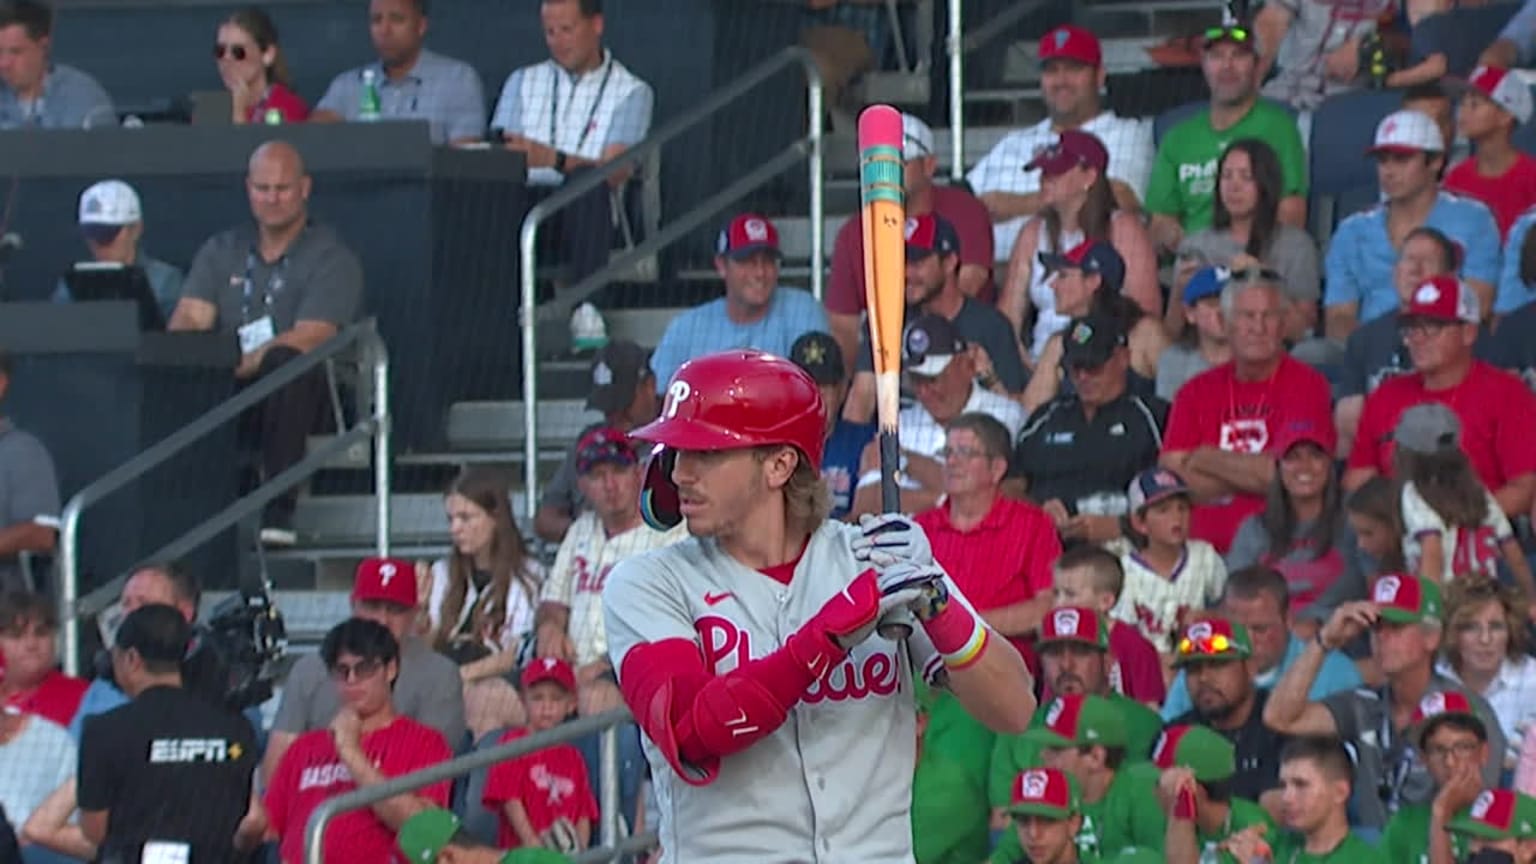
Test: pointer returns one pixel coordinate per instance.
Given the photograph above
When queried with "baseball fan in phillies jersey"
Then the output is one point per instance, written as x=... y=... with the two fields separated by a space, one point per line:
x=546 y=789
x=368 y=741
x=779 y=725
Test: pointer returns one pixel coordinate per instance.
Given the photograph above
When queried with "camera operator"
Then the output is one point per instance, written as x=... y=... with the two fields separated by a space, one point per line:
x=166 y=777
x=203 y=672
x=428 y=690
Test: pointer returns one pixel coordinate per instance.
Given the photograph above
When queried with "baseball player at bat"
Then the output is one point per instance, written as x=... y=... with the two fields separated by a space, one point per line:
x=779 y=726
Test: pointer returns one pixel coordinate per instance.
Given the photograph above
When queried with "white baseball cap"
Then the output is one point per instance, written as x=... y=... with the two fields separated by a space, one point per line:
x=1407 y=131
x=916 y=138
x=1505 y=90
x=109 y=202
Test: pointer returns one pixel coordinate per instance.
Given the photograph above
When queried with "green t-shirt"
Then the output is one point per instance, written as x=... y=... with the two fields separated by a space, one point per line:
x=1242 y=814
x=1183 y=180
x=1012 y=754
x=949 y=812
x=1290 y=849
x=1127 y=815
x=1406 y=838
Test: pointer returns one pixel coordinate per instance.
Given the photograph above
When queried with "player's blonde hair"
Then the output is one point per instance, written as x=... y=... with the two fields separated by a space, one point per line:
x=807 y=503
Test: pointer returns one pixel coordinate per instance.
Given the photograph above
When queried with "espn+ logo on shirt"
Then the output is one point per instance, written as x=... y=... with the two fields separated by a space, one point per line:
x=174 y=751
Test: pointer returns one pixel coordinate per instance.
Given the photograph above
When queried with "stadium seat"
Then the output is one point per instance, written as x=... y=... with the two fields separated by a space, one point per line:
x=1460 y=34
x=1343 y=179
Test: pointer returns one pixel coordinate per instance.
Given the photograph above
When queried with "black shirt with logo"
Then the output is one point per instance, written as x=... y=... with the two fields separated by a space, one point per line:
x=1088 y=464
x=169 y=768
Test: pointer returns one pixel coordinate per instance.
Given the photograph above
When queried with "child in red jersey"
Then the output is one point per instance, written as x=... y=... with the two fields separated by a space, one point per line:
x=544 y=798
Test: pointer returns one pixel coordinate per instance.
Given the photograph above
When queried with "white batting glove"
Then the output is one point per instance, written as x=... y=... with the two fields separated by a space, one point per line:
x=889 y=539
x=904 y=588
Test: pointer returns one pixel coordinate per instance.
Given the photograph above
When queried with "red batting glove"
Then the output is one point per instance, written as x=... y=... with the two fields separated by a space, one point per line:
x=844 y=621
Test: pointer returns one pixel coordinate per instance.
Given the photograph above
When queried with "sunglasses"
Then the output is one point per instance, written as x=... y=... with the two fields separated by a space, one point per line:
x=1216 y=643
x=362 y=670
x=1255 y=274
x=1240 y=35
x=238 y=52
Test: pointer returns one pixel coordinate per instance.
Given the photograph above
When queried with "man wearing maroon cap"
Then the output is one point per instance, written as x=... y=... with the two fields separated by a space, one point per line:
x=1439 y=326
x=1072 y=78
x=1181 y=193
x=428 y=689
x=845 y=287
x=756 y=311
x=1494 y=104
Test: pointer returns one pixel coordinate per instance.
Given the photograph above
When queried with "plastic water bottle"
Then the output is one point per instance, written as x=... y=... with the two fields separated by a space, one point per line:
x=368 y=103
x=588 y=329
x=273 y=117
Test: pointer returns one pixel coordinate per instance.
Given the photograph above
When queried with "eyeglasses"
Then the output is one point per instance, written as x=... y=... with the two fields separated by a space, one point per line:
x=220 y=49
x=1254 y=274
x=1424 y=327
x=1460 y=748
x=1240 y=35
x=1216 y=643
x=1477 y=628
x=362 y=670
x=966 y=453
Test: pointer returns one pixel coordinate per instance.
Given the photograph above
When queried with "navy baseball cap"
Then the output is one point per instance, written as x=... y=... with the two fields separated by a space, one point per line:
x=616 y=372
x=1207 y=282
x=1089 y=342
x=746 y=235
x=820 y=356
x=605 y=445
x=1152 y=486
x=930 y=234
x=1089 y=256
x=929 y=344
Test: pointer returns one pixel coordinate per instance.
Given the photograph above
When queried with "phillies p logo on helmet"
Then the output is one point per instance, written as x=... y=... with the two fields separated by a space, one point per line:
x=677 y=393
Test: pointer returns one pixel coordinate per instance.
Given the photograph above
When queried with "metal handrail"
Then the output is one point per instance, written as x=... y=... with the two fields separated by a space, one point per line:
x=70 y=604
x=367 y=796
x=720 y=99
x=958 y=44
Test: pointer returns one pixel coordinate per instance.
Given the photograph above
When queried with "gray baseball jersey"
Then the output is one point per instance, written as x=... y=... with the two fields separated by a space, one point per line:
x=834 y=782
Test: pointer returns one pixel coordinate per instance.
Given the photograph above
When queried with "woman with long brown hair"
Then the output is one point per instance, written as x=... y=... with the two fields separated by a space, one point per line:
x=482 y=599
x=253 y=70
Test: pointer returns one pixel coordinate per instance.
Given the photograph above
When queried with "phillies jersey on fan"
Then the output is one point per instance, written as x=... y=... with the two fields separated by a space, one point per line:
x=834 y=782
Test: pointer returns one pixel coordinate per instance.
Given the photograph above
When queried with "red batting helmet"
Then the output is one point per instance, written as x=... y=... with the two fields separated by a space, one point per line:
x=727 y=401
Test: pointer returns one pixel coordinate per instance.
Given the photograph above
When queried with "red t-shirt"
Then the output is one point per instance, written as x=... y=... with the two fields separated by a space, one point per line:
x=1507 y=195
x=57 y=698
x=287 y=102
x=311 y=772
x=551 y=784
x=845 y=290
x=1141 y=670
x=1215 y=409
x=1496 y=412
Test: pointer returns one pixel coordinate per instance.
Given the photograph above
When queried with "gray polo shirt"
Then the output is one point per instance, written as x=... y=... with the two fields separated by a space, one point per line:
x=428 y=691
x=71 y=100
x=318 y=279
x=444 y=91
x=29 y=487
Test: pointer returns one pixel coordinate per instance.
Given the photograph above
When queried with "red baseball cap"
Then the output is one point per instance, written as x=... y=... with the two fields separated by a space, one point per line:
x=1443 y=705
x=1074 y=624
x=1503 y=89
x=747 y=234
x=1322 y=435
x=1044 y=792
x=549 y=669
x=1071 y=42
x=1404 y=598
x=1444 y=298
x=386 y=580
x=930 y=234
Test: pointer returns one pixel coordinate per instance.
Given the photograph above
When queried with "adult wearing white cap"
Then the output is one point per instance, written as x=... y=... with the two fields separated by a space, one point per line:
x=1410 y=153
x=113 y=224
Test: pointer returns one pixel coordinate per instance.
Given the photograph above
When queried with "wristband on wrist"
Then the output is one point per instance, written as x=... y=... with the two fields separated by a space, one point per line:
x=971 y=651
x=1319 y=640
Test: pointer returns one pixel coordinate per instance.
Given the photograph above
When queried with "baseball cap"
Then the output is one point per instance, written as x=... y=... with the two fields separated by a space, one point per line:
x=929 y=344
x=1044 y=792
x=109 y=202
x=1428 y=428
x=549 y=669
x=747 y=234
x=605 y=445
x=1234 y=33
x=1295 y=432
x=1442 y=706
x=1210 y=757
x=616 y=372
x=1071 y=42
x=916 y=138
x=1070 y=148
x=1078 y=719
x=1089 y=342
x=1503 y=89
x=1089 y=256
x=1074 y=624
x=1407 y=131
x=1403 y=598
x=930 y=234
x=1444 y=298
x=1207 y=282
x=1497 y=814
x=386 y=580
x=1212 y=639
x=820 y=356
x=1153 y=485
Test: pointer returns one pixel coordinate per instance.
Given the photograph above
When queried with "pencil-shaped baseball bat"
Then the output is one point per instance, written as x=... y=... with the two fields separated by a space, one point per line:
x=884 y=219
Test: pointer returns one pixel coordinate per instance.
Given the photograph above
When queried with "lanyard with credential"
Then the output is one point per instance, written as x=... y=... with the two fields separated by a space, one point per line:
x=554 y=105
x=275 y=281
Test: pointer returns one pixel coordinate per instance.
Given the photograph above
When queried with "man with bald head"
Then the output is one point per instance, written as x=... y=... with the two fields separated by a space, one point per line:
x=282 y=285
